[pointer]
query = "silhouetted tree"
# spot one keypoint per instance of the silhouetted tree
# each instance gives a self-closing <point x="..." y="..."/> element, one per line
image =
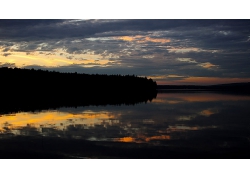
<point x="32" y="89"/>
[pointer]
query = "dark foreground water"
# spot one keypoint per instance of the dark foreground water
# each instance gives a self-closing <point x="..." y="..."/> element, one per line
<point x="174" y="125"/>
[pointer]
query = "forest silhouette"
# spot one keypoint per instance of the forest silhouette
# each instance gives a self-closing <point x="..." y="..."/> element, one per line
<point x="30" y="89"/>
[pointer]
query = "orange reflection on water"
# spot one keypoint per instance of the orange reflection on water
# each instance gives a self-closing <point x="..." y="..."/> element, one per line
<point x="126" y="139"/>
<point x="165" y="101"/>
<point x="174" y="98"/>
<point x="181" y="128"/>
<point x="53" y="118"/>
<point x="207" y="112"/>
<point x="142" y="139"/>
<point x="161" y="137"/>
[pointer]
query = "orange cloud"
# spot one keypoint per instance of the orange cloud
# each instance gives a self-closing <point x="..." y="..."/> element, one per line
<point x="129" y="38"/>
<point x="141" y="39"/>
<point x="207" y="65"/>
<point x="174" y="76"/>
<point x="156" y="40"/>
<point x="54" y="59"/>
<point x="183" y="50"/>
<point x="207" y="112"/>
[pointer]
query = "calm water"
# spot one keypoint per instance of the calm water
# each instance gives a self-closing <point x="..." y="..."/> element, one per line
<point x="172" y="119"/>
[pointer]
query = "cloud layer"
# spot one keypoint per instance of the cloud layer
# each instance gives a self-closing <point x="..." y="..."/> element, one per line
<point x="168" y="51"/>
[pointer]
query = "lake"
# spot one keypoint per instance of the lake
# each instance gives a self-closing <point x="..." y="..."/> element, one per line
<point x="194" y="124"/>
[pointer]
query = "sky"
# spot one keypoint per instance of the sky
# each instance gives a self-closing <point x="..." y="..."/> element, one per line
<point x="170" y="51"/>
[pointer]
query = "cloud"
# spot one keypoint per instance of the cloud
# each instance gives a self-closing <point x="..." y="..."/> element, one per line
<point x="164" y="77"/>
<point x="183" y="50"/>
<point x="141" y="39"/>
<point x="189" y="60"/>
<point x="207" y="65"/>
<point x="146" y="47"/>
<point x="6" y="54"/>
<point x="9" y="65"/>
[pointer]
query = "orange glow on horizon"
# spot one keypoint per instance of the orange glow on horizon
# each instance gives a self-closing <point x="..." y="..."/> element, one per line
<point x="202" y="81"/>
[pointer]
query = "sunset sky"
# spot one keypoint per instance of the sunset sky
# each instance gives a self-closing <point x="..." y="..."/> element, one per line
<point x="168" y="51"/>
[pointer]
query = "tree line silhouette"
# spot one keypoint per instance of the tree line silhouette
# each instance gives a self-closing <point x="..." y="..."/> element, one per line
<point x="23" y="89"/>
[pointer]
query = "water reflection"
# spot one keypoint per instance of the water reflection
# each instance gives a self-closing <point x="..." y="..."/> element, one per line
<point x="171" y="119"/>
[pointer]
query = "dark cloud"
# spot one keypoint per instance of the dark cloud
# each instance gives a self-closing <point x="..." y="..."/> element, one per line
<point x="10" y="65"/>
<point x="6" y="49"/>
<point x="6" y="54"/>
<point x="27" y="22"/>
<point x="36" y="29"/>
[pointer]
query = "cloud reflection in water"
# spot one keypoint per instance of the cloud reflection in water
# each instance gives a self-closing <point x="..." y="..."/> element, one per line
<point x="172" y="116"/>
